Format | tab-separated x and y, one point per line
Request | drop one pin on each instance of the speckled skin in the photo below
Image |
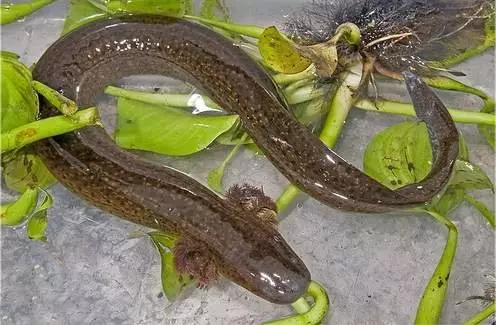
244	248
248	251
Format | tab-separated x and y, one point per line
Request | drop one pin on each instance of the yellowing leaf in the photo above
279	53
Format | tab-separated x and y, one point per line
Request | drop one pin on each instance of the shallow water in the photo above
374	267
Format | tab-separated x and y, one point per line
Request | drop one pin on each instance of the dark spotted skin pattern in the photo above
245	249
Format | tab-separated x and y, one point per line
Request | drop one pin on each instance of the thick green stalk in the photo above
432	301
339	107
63	104
482	315
393	107
11	12
294	97
246	30
175	100
48	127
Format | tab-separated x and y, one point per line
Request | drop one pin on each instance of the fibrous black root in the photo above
400	34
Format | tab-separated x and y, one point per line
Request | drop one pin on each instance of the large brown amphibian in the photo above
238	243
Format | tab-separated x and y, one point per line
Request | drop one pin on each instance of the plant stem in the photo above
301	306
286	198
294	97
338	112
482	315
216	175
314	315
432	301
62	103
247	30
339	107
13	11
48	127
175	100
393	107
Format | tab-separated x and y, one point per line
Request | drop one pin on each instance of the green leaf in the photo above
279	53
173	283
14	213
175	8
166	130
11	12
26	171
469	176
38	222
80	13
399	155
487	131
19	100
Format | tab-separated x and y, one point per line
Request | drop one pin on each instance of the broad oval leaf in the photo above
26	171
166	130
399	155
19	101
279	54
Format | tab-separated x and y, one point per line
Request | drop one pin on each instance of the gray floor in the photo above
374	267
